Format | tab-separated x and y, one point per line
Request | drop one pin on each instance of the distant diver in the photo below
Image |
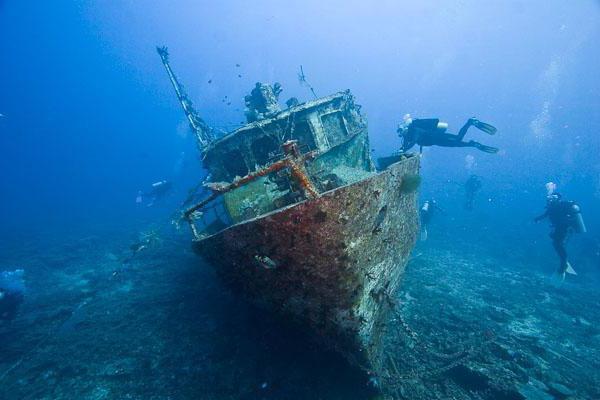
157	191
429	208
144	241
12	293
472	186
432	132
565	217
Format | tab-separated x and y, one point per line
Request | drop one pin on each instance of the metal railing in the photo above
293	161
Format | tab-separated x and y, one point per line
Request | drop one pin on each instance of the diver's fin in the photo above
487	149
570	269
482	126
424	235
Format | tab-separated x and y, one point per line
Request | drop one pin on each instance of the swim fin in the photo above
483	147
570	269
482	126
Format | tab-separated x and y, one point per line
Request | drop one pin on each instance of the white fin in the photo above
570	269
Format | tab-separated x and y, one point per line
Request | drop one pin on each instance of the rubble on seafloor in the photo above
486	329
468	326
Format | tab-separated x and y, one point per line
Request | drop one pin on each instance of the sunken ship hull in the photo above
295	216
329	263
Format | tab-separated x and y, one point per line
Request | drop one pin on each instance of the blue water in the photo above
88	118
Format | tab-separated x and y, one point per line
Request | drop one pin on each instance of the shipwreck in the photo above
298	219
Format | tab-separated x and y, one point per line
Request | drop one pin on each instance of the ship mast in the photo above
203	132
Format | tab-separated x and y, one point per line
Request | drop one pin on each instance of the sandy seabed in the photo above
100	324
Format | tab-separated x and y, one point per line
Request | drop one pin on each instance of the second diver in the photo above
432	132
565	217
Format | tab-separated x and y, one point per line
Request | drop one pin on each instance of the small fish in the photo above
239	76
228	103
237	65
210	81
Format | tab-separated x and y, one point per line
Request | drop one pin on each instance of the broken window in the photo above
303	134
335	127
234	164
265	149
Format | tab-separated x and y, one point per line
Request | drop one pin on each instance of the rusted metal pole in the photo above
293	160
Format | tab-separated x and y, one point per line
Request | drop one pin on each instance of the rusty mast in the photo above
204	133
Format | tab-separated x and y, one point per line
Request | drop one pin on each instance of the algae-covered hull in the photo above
328	263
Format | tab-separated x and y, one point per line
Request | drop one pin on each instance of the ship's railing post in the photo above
295	161
193	228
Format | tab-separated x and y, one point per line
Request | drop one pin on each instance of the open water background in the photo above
89	118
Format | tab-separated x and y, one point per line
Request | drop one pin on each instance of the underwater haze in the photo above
113	303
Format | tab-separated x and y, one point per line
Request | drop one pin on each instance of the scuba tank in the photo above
577	219
425	207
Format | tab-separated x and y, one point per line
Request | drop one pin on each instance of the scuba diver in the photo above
432	132
472	186
157	191
430	207
565	217
12	293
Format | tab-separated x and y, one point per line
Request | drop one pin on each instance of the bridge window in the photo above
264	149
334	127
304	135
234	164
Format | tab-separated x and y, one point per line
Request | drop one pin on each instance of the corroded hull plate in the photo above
327	263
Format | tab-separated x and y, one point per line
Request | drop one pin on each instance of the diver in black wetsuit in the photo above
156	192
565	217
432	132
472	186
